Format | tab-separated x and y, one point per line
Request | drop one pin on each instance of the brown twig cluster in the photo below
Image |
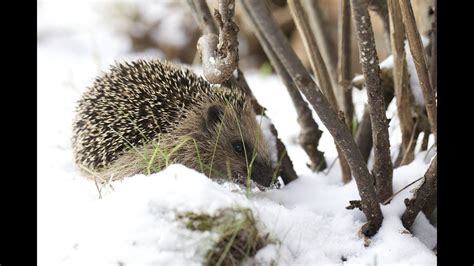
329	92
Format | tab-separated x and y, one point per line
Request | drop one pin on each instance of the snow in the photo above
135	222
413	76
265	124
414	81
387	63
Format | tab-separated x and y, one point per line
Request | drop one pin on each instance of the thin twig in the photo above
410	147
344	75
319	67
203	16
434	49
344	61
381	9
317	63
400	79
428	151
320	29
331	165
416	48
398	192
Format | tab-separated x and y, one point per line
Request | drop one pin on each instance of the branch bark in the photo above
203	16
381	9
310	133
383	169
318	27
262	19
434	49
419	59
364	132
316	60
344	74
344	61
319	68
421	196
220	54
400	79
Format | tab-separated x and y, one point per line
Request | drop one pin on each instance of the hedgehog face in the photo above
238	148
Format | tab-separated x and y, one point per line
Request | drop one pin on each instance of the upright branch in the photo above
380	7
220	54
203	16
264	22
319	28
419	59
364	131
344	62
383	168
319	68
422	195
401	84
310	134
434	49
312	49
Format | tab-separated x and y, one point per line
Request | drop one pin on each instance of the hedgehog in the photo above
141	116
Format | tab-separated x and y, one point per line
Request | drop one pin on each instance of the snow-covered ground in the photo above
134	224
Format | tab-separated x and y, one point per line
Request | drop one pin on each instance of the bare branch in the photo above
220	54
419	59
320	29
401	84
383	169
380	7
203	16
344	75
434	49
364	132
262	19
421	196
344	61
319	67
310	133
312	49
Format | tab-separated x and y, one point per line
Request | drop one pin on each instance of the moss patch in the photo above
238	236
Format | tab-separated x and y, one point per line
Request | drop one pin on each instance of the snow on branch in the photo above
220	53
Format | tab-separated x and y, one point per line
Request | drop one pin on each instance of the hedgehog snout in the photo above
262	174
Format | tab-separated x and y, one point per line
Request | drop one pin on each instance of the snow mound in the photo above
135	223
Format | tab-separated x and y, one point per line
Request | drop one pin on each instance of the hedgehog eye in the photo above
238	147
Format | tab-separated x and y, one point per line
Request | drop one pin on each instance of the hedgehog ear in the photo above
213	116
